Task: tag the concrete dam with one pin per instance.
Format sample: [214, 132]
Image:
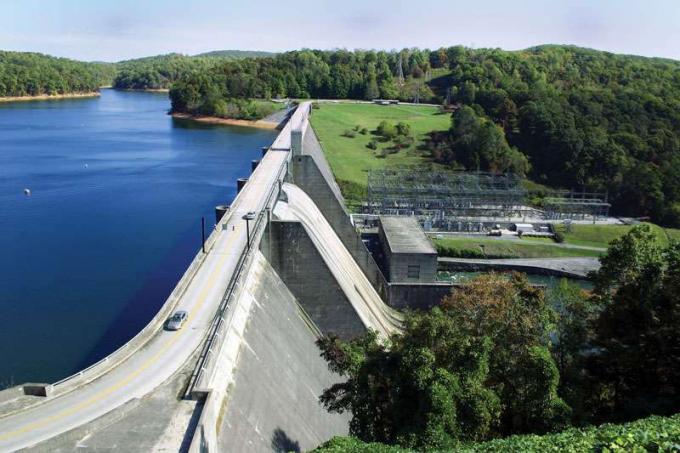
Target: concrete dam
[283, 266]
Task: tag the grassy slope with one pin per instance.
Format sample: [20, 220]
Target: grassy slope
[602, 235]
[350, 159]
[467, 247]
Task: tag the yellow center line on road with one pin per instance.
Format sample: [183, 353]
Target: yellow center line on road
[103, 393]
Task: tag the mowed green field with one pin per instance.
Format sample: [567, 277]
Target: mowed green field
[595, 237]
[350, 159]
[602, 235]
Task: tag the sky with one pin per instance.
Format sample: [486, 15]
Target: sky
[113, 30]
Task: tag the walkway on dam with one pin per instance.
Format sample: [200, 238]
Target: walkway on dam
[370, 308]
[166, 351]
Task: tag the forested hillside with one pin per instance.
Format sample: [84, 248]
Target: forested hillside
[236, 54]
[34, 74]
[159, 72]
[581, 117]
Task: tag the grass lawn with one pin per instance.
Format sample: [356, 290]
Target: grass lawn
[467, 247]
[602, 235]
[350, 159]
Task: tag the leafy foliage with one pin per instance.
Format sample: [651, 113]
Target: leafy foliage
[161, 71]
[34, 74]
[649, 434]
[583, 117]
[473, 369]
[636, 368]
[476, 143]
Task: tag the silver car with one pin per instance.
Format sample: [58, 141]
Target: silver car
[177, 320]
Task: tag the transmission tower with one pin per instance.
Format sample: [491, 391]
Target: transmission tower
[400, 72]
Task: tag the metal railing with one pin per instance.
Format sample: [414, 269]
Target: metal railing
[214, 332]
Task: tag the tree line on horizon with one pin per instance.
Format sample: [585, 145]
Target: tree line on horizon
[34, 74]
[161, 71]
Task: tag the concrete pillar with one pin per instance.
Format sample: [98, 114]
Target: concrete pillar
[296, 142]
[240, 182]
[254, 164]
[220, 211]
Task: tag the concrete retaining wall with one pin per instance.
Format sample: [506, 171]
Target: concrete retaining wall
[417, 296]
[504, 266]
[296, 260]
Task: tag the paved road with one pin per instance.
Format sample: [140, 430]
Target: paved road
[578, 266]
[522, 240]
[166, 352]
[374, 313]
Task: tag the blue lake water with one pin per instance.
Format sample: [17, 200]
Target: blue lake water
[118, 189]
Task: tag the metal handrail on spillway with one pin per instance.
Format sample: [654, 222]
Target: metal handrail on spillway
[219, 321]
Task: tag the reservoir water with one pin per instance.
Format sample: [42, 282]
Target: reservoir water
[117, 192]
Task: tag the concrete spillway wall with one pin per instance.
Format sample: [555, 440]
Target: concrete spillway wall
[312, 174]
[272, 403]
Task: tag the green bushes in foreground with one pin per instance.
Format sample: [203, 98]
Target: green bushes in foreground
[655, 433]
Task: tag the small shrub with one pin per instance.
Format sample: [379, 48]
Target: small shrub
[372, 145]
[403, 129]
[363, 131]
[559, 237]
[316, 106]
[357, 128]
[386, 130]
[349, 133]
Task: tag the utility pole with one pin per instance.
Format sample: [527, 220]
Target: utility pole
[400, 72]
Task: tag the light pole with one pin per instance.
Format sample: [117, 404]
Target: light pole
[203, 233]
[248, 217]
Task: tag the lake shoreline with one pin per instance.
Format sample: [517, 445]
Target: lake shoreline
[143, 90]
[260, 124]
[50, 97]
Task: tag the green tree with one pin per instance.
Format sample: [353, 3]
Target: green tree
[636, 367]
[475, 368]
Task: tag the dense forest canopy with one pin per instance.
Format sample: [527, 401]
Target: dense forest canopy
[161, 71]
[236, 54]
[581, 117]
[34, 74]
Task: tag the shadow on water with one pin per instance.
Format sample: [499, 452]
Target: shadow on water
[148, 300]
[281, 443]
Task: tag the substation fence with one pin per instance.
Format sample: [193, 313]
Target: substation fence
[443, 199]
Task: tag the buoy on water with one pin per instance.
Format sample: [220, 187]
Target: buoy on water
[86, 165]
[27, 192]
